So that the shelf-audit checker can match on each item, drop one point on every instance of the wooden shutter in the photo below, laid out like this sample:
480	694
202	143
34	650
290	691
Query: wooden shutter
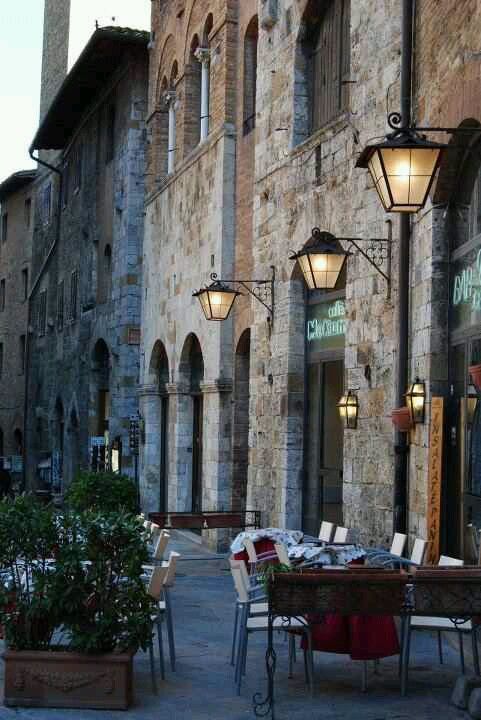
330	63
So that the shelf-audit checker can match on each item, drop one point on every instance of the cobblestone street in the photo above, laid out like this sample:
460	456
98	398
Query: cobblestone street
202	687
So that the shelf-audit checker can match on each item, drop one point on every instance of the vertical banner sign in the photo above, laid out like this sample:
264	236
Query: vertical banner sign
434	478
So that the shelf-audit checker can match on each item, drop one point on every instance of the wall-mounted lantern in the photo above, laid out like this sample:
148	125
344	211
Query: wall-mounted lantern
323	257
416	401
218	298
321	260
349	409
471	403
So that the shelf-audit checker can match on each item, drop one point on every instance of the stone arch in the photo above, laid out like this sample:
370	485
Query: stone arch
195	26
167	59
159	366
154	406
251	39
174	75
191	365
459	167
100	389
208	26
190	422
240	435
192	102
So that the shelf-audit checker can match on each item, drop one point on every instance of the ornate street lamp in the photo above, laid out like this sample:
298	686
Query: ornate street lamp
403	166
416	401
349	409
216	300
321	260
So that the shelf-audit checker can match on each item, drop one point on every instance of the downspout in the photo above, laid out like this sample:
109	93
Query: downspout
54	169
401	446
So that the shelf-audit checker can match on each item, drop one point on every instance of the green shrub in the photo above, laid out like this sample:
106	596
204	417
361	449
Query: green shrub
78	573
102	492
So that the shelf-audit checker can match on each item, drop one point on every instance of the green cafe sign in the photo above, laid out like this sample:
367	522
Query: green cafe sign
466	290
326	325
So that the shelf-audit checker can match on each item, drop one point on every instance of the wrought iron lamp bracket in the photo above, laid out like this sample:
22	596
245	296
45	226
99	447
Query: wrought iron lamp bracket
261	290
395	122
378	253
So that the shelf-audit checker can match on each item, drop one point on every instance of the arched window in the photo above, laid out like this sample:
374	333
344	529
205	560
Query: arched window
322	64
250	75
192	109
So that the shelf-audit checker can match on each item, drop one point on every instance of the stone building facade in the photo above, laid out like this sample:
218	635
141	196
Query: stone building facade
16	202
244	412
83	349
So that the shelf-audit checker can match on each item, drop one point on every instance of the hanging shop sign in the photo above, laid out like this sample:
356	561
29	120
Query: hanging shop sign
326	325
434	478
466	291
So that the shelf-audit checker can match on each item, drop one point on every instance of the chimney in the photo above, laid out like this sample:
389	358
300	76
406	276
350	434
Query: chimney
56	24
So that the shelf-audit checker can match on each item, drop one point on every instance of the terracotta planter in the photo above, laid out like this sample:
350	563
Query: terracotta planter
401	418
61	679
475	372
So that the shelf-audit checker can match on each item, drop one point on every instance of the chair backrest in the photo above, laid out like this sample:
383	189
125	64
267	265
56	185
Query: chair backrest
239	580
147	524
171	568
282	553
398	543
418	551
161	545
340	536
156	582
325	531
154	531
250	549
450	561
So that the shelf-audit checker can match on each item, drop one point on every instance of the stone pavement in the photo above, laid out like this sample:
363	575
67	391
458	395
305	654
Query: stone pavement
202	687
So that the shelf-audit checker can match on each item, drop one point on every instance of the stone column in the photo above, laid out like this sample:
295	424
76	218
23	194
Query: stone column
150	451
180	447
170	103
203	56
217	454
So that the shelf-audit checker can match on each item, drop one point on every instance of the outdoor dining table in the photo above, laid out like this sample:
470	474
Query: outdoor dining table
367	637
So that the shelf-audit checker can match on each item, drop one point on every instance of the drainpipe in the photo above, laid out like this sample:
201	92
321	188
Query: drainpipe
401	446
54	169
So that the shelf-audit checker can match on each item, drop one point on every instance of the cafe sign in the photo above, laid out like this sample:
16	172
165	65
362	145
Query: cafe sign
326	325
466	290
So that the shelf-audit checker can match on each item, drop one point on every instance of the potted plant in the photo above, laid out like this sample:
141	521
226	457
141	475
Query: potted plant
72	622
401	418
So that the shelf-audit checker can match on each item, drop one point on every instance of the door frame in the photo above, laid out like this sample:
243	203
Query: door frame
197	442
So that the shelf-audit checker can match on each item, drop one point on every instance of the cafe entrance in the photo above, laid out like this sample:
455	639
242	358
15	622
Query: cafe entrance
323	455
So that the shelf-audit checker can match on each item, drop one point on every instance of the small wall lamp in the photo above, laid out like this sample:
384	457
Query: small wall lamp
349	409
416	401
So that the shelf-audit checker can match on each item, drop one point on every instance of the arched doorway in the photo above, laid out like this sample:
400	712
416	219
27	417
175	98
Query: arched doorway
18	441
240	440
191	371
324	342
101	367
156	450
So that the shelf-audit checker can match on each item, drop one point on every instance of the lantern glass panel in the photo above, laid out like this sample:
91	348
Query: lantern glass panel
216	304
408	173
321	270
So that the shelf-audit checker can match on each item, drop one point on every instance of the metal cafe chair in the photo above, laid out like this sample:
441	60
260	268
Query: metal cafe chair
154	589
396	550
443	603
249	623
255	558
416	558
257	597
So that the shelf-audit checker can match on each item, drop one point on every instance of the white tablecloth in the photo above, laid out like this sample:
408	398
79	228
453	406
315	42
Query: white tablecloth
287	537
327	554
